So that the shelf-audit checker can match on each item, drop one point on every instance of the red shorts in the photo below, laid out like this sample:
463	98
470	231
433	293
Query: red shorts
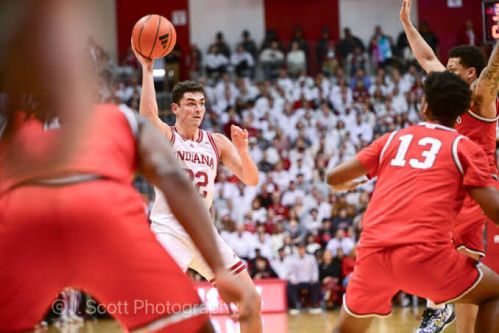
436	272
93	236
469	228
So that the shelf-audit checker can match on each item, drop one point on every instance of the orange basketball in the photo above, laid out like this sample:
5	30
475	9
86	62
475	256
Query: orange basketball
153	36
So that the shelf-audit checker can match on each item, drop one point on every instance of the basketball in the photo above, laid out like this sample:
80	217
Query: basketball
153	36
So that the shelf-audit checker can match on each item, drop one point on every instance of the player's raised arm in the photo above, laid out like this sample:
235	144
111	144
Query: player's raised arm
421	50
488	85
148	104
235	155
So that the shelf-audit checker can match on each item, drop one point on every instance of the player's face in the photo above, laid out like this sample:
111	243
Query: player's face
191	109
454	66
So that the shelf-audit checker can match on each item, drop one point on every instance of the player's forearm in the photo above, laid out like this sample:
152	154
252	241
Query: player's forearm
488	83
345	173
421	50
148	105
488	199
249	170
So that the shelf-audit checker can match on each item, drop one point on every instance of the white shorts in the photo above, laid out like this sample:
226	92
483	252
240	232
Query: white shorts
185	253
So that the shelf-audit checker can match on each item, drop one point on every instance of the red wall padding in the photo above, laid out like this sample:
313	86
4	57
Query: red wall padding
283	15
448	23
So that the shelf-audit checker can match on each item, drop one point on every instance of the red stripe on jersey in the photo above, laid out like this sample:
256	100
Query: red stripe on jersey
210	138
172	139
181	136
485	120
200	136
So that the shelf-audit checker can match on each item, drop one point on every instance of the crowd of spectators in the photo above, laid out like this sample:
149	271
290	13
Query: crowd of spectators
292	226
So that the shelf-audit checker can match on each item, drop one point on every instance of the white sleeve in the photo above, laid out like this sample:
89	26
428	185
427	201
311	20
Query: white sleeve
131	117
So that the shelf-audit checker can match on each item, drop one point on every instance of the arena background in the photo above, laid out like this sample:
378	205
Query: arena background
197	22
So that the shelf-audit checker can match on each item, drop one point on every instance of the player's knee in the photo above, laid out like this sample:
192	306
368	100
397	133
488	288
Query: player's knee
256	300
339	329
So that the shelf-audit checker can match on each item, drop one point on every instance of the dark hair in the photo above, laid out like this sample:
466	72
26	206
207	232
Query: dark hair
470	56
448	96
185	86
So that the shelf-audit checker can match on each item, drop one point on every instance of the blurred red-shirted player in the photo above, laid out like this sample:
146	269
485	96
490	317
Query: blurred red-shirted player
423	174
77	221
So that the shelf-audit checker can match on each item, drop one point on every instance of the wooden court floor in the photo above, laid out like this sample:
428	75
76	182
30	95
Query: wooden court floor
401	321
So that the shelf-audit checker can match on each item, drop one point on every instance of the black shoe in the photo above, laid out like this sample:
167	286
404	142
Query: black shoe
436	320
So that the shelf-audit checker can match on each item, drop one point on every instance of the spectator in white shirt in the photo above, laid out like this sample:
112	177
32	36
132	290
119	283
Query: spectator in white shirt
304	274
399	101
296	60
216	63
289	196
271	59
241	241
258	213
312	221
340	240
262	242
255	151
242	200
281	265
242	61
285	82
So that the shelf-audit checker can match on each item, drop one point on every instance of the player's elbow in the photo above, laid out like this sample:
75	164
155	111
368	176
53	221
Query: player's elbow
252	181
495	217
332	179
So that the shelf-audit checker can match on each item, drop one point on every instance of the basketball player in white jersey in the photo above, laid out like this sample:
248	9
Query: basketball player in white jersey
200	152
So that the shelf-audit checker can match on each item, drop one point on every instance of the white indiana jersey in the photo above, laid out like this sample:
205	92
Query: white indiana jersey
200	160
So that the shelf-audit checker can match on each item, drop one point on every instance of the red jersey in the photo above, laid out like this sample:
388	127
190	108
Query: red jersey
481	131
423	172
108	147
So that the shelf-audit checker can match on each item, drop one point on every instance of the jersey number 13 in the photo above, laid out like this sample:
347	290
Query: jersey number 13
429	154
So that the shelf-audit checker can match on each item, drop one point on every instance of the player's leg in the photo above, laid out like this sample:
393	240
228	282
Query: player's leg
486	295
369	292
178	246
471	245
436	317
254	324
466	317
123	265
468	240
350	324
235	265
457	278
30	254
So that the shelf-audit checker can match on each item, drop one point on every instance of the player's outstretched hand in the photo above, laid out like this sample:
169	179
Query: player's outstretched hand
145	62
351	185
405	11
239	137
232	293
